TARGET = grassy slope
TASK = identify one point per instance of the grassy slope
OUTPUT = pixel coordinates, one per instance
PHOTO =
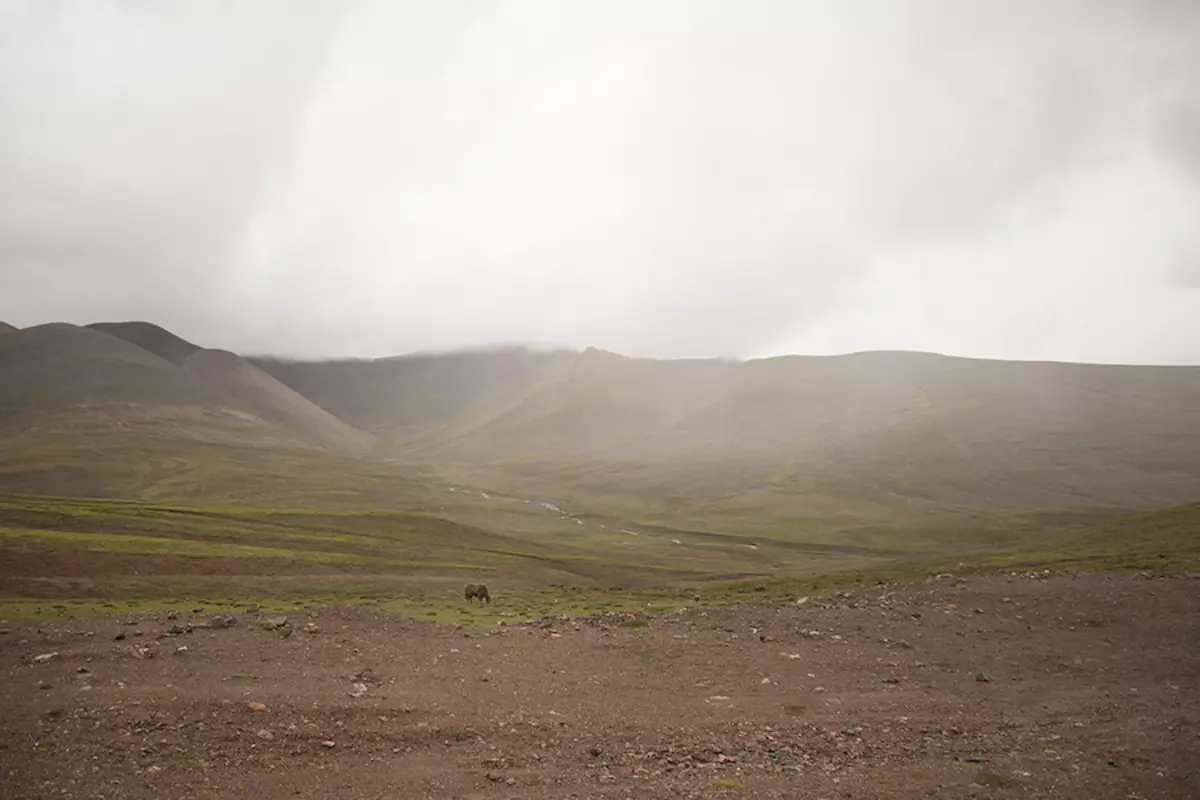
(149, 337)
(892, 431)
(416, 563)
(264, 396)
(49, 370)
(670, 472)
(413, 395)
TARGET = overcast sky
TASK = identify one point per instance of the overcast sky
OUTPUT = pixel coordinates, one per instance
(1001, 178)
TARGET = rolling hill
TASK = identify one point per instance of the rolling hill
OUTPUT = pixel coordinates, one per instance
(840, 448)
(6, 328)
(795, 436)
(147, 336)
(93, 379)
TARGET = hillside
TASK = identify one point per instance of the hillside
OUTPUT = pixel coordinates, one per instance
(255, 391)
(53, 373)
(871, 433)
(845, 450)
(140, 378)
(413, 395)
(6, 328)
(147, 336)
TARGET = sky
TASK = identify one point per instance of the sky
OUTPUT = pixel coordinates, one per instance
(664, 178)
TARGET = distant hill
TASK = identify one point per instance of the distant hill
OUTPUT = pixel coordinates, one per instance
(147, 336)
(418, 393)
(884, 428)
(51, 369)
(257, 392)
(58, 374)
(6, 328)
(770, 447)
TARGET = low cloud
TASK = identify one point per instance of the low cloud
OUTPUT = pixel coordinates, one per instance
(669, 178)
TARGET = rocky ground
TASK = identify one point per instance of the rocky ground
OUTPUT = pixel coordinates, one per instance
(1036, 685)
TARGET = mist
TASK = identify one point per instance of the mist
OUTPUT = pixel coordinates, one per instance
(668, 178)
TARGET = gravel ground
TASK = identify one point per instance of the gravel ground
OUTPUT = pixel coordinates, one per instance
(1081, 686)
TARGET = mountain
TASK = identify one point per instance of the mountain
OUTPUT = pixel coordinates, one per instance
(50, 373)
(411, 395)
(6, 328)
(57, 375)
(150, 337)
(255, 391)
(766, 446)
(887, 428)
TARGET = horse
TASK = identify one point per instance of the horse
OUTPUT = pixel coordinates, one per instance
(479, 590)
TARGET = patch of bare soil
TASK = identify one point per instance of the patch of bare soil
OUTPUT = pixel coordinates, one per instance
(1062, 686)
(20, 568)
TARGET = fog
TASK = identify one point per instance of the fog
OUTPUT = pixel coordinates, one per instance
(662, 178)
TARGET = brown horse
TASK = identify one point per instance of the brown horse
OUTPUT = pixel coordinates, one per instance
(479, 590)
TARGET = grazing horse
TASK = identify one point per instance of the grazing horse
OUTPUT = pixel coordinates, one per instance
(479, 590)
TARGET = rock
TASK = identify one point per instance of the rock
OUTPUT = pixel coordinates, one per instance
(330, 743)
(359, 690)
(252, 609)
(264, 734)
(275, 623)
(255, 706)
(44, 658)
(801, 600)
(120, 637)
(176, 630)
(312, 628)
(43, 685)
(83, 670)
(980, 677)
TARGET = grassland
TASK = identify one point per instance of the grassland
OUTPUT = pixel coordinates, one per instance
(415, 563)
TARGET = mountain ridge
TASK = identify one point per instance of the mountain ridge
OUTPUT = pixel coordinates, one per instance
(716, 439)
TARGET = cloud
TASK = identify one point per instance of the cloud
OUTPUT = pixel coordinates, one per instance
(671, 178)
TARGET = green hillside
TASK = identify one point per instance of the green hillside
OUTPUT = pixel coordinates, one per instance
(48, 372)
(784, 463)
(413, 395)
(149, 337)
(793, 436)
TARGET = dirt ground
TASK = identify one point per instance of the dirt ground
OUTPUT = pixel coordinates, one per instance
(1081, 686)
